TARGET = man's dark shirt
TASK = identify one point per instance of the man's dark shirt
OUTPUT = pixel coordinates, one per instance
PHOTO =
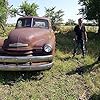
(79, 31)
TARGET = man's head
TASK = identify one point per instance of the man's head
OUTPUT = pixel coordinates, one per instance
(80, 21)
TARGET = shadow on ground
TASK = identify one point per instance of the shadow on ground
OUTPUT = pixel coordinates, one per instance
(11, 77)
(95, 97)
(84, 69)
(64, 58)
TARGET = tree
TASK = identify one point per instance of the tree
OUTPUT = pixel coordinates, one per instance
(70, 22)
(91, 10)
(55, 16)
(25, 9)
(3, 13)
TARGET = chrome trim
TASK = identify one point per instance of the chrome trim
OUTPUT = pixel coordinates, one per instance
(25, 67)
(21, 59)
(18, 45)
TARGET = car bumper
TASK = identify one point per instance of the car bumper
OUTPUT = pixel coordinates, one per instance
(27, 63)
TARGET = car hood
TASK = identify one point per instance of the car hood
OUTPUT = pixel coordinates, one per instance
(30, 36)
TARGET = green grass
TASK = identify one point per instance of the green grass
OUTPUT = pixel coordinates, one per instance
(62, 81)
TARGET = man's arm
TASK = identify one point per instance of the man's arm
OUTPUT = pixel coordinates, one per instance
(75, 37)
(85, 34)
(86, 38)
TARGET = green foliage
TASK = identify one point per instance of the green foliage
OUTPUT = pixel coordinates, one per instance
(55, 16)
(7, 30)
(91, 10)
(25, 9)
(3, 12)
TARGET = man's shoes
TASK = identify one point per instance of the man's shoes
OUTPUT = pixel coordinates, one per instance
(83, 56)
(99, 58)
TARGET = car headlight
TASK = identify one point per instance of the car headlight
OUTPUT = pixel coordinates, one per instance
(47, 48)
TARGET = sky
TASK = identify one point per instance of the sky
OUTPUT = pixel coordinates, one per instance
(70, 8)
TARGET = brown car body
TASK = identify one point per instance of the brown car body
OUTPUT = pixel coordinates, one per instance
(30, 46)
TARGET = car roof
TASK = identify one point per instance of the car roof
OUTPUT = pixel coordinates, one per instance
(46, 18)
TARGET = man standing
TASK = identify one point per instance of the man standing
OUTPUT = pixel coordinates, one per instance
(80, 37)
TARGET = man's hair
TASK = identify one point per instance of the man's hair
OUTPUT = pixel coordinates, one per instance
(80, 19)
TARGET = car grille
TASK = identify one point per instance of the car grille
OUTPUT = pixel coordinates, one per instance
(36, 51)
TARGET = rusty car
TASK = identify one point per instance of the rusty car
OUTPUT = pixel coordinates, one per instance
(28, 47)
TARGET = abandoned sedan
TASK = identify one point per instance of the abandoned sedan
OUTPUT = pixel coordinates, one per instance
(30, 46)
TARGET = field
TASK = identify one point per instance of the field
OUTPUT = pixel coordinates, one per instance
(69, 79)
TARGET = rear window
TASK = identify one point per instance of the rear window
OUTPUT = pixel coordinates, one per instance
(40, 23)
(24, 22)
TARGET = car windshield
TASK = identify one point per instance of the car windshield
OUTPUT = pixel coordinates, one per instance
(24, 22)
(40, 23)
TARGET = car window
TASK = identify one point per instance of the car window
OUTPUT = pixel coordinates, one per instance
(40, 23)
(24, 22)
